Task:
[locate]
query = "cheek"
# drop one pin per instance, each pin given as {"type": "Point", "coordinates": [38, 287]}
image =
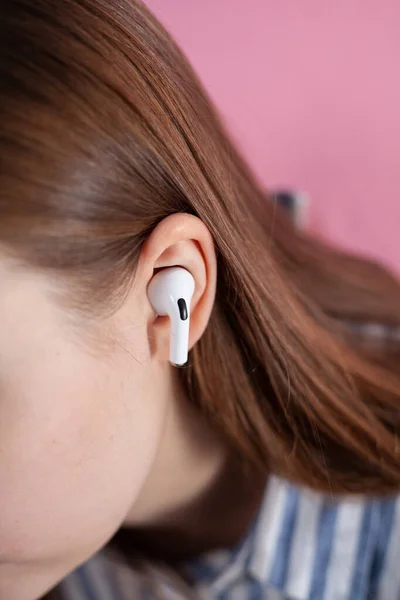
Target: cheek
{"type": "Point", "coordinates": [76, 444]}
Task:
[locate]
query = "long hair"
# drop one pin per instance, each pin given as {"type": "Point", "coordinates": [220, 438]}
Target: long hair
{"type": "Point", "coordinates": [106, 130]}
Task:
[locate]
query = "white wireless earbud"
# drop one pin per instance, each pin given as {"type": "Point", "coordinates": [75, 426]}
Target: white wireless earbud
{"type": "Point", "coordinates": [170, 293]}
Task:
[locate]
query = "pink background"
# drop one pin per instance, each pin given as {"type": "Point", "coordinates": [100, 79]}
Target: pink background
{"type": "Point", "coordinates": [310, 89]}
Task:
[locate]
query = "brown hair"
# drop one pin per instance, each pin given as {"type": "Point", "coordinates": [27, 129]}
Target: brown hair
{"type": "Point", "coordinates": [105, 130]}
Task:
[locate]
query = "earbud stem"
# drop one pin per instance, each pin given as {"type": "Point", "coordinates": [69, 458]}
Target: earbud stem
{"type": "Point", "coordinates": [179, 341]}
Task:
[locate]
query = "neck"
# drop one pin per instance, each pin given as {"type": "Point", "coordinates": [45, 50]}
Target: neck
{"type": "Point", "coordinates": [189, 460]}
{"type": "Point", "coordinates": [196, 496]}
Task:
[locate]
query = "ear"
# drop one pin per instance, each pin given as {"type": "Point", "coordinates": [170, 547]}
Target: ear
{"type": "Point", "coordinates": [180, 240]}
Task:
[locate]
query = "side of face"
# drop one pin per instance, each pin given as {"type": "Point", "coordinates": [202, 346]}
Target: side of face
{"type": "Point", "coordinates": [80, 424]}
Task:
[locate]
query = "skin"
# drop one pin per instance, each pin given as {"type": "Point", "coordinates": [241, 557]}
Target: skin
{"type": "Point", "coordinates": [95, 431]}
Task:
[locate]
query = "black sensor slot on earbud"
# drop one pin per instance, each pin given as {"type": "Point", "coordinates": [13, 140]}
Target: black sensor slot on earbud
{"type": "Point", "coordinates": [183, 313]}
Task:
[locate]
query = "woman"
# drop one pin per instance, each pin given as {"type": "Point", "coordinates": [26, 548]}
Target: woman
{"type": "Point", "coordinates": [269, 466]}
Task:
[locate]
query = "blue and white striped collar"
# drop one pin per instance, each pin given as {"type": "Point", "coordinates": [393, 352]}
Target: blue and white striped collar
{"type": "Point", "coordinates": [302, 545]}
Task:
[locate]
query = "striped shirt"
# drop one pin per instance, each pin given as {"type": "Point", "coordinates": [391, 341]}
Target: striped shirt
{"type": "Point", "coordinates": [301, 546]}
